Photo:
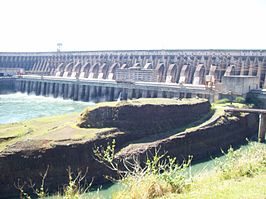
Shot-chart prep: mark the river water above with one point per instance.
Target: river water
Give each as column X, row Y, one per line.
column 18, row 107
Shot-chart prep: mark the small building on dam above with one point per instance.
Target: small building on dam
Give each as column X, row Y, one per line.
column 109, row 75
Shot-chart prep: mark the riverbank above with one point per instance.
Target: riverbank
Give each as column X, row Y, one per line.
column 241, row 174
column 58, row 143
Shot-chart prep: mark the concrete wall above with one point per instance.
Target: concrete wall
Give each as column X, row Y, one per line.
column 85, row 90
column 7, row 85
column 200, row 62
column 237, row 85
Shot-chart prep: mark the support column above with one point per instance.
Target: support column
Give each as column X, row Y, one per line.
column 87, row 93
column 42, row 88
column 176, row 95
column 75, row 96
column 160, row 94
column 262, row 128
column 117, row 92
column 27, row 87
column 34, row 88
column 65, row 93
column 51, row 89
column 103, row 94
column 130, row 93
column 60, row 90
column 56, row 90
column 144, row 93
column 47, row 89
column 80, row 93
column 70, row 91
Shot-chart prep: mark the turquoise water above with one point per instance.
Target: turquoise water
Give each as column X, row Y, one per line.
column 18, row 107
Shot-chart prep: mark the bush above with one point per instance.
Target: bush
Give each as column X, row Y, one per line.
column 158, row 176
column 245, row 162
column 240, row 100
column 222, row 101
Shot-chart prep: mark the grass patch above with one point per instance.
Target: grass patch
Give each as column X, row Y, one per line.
column 241, row 175
column 53, row 129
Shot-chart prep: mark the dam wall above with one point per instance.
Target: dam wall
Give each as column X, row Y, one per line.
column 108, row 90
column 196, row 67
column 7, row 85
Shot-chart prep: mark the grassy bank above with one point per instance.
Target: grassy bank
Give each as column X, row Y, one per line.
column 44, row 132
column 241, row 175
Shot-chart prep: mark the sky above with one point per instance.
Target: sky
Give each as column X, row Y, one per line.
column 38, row 25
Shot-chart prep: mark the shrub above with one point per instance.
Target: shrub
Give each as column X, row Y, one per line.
column 245, row 162
column 240, row 100
column 222, row 101
column 158, row 176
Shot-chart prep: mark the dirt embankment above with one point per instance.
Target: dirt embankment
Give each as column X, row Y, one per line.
column 146, row 117
column 136, row 121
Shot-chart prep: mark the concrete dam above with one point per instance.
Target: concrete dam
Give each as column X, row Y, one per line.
column 109, row 75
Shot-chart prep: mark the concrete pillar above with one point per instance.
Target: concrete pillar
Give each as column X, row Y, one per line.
column 60, row 90
column 262, row 128
column 75, row 95
column 87, row 93
column 51, row 89
column 17, row 85
column 70, row 91
column 168, row 94
column 56, row 88
column 108, row 94
column 124, row 94
column 116, row 93
column 130, row 93
column 103, row 94
column 65, row 92
column 42, row 88
column 137, row 93
column 144, row 93
column 80, row 92
column 153, row 94
column 176, row 95
column 47, row 89
column 111, row 93
column 27, row 87
column 193, row 95
column 160, row 94
column 34, row 87
column 92, row 93
column 31, row 87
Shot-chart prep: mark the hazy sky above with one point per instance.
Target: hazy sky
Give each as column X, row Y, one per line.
column 38, row 25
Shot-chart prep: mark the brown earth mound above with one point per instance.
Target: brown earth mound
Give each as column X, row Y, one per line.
column 145, row 115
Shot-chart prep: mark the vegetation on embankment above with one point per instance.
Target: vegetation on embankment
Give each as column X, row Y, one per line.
column 52, row 130
column 241, row 175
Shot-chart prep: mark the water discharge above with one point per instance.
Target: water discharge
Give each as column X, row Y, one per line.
column 18, row 107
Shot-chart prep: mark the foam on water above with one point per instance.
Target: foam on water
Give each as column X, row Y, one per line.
column 18, row 107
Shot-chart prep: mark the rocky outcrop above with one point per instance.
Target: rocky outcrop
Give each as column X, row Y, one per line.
column 203, row 142
column 146, row 116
